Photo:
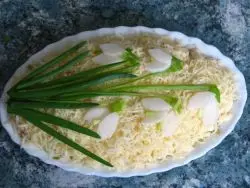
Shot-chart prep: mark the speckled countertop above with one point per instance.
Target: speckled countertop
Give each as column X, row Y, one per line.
column 28, row 26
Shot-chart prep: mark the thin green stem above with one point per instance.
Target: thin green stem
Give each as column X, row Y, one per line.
column 90, row 94
column 82, row 79
column 171, row 100
column 191, row 87
column 52, row 73
column 50, row 131
column 84, row 75
column 55, row 60
column 50, row 104
column 51, row 63
column 53, row 120
column 77, row 86
column 176, row 65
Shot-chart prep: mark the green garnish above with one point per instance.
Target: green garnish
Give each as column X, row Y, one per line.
column 41, row 89
column 52, row 73
column 176, row 65
column 47, row 118
column 50, row 104
column 84, row 75
column 174, row 102
column 40, row 70
column 129, row 56
column 118, row 105
column 190, row 87
column 38, row 123
column 68, row 87
column 158, row 126
column 55, row 61
column 91, row 94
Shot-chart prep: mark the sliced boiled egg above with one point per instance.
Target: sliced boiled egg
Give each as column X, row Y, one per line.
column 103, row 59
column 199, row 100
column 95, row 113
column 160, row 56
column 156, row 66
column 108, row 125
column 155, row 104
column 210, row 114
column 170, row 124
column 205, row 101
column 111, row 49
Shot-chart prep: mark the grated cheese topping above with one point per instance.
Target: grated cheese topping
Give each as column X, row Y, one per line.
column 134, row 146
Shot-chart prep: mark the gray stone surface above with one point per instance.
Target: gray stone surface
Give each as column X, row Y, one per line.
column 28, row 26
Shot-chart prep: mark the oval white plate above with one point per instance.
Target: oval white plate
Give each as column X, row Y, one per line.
column 185, row 41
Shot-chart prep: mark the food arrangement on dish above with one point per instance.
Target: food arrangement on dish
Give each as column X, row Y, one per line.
column 119, row 103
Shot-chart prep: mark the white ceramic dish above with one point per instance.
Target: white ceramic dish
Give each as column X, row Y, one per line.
column 187, row 42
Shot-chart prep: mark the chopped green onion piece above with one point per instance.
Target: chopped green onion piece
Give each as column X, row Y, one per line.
column 174, row 102
column 176, row 65
column 158, row 126
column 129, row 56
column 214, row 89
column 118, row 105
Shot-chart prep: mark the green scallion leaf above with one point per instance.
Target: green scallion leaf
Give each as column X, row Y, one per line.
column 52, row 73
column 190, row 87
column 68, row 89
column 84, row 75
column 118, row 105
column 63, row 139
column 174, row 102
column 44, row 117
column 50, row 104
column 176, row 65
column 55, row 60
column 129, row 56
